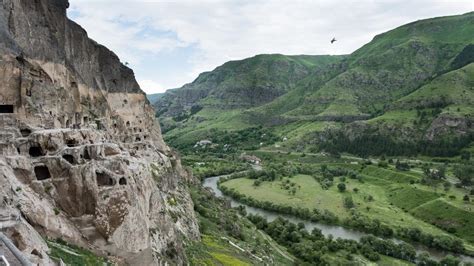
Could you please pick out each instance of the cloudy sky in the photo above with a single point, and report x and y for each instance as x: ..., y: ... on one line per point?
x: 169, y: 42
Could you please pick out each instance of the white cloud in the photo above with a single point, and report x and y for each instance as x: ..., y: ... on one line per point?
x: 229, y: 30
x: 150, y: 86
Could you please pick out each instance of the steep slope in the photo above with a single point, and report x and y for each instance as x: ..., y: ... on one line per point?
x: 240, y: 84
x: 81, y: 155
x: 360, y: 93
x: 218, y: 99
x: 393, y: 65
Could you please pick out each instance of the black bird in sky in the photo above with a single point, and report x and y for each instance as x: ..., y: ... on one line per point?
x: 333, y: 40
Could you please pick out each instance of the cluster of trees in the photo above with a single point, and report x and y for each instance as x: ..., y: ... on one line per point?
x: 276, y: 171
x: 328, y: 174
x: 465, y: 174
x: 389, y: 248
x: 211, y: 169
x: 215, y: 212
x: 356, y: 221
x: 373, y: 143
x: 289, y: 186
x: 440, y: 242
x: 402, y: 166
x: 309, y: 247
x: 312, y: 247
x: 208, y: 165
x: 365, y: 224
x: 226, y: 142
x: 262, y: 175
x: 465, y: 57
x: 246, y: 139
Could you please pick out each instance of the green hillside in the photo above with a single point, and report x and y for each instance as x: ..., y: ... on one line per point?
x: 407, y: 89
x: 154, y: 97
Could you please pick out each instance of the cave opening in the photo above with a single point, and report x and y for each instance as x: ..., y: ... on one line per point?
x: 25, y: 132
x: 104, y: 180
x: 122, y: 181
x: 69, y: 158
x: 42, y: 172
x: 6, y: 109
x: 71, y: 142
x: 86, y: 155
x: 35, y: 151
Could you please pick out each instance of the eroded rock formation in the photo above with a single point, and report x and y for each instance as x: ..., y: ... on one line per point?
x: 81, y: 155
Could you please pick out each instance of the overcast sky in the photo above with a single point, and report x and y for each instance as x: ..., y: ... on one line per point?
x: 168, y: 43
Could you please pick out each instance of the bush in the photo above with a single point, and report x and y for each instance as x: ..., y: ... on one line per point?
x: 348, y: 202
x: 341, y: 187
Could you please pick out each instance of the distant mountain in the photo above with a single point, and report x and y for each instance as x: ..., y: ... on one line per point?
x: 411, y: 86
x: 154, y: 97
x: 242, y: 84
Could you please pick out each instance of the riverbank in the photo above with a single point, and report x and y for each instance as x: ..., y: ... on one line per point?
x: 390, y: 198
x: 336, y: 231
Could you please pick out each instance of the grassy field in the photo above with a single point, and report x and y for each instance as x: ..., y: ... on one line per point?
x: 398, y: 199
x: 408, y: 198
x: 445, y: 215
x: 309, y: 195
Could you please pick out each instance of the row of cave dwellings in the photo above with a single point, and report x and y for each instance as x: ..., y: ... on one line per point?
x: 42, y: 171
x: 131, y: 133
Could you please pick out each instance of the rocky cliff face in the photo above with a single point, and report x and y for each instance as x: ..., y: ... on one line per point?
x: 81, y: 156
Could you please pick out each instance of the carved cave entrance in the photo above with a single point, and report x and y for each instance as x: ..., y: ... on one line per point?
x: 42, y: 172
x: 6, y: 109
x: 104, y: 180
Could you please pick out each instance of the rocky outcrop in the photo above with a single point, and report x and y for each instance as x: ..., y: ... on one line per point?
x: 81, y: 155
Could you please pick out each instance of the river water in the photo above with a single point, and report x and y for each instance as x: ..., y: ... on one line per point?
x: 335, y: 231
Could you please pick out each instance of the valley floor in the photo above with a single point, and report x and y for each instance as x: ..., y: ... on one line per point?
x: 398, y: 199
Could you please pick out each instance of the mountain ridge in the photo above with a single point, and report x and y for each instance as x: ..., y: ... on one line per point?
x: 357, y: 87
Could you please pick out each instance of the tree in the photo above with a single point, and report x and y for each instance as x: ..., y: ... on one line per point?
x: 465, y: 198
x: 293, y: 191
x: 465, y: 174
x: 402, y: 166
x: 449, y: 260
x: 257, y: 182
x: 341, y: 187
x: 425, y: 260
x: 435, y: 174
x: 348, y: 202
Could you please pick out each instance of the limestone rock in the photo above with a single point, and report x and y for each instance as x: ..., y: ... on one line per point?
x: 81, y: 154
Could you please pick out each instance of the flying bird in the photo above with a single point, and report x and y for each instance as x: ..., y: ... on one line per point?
x: 333, y: 40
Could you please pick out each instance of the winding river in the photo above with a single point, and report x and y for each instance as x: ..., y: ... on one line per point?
x: 334, y: 230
